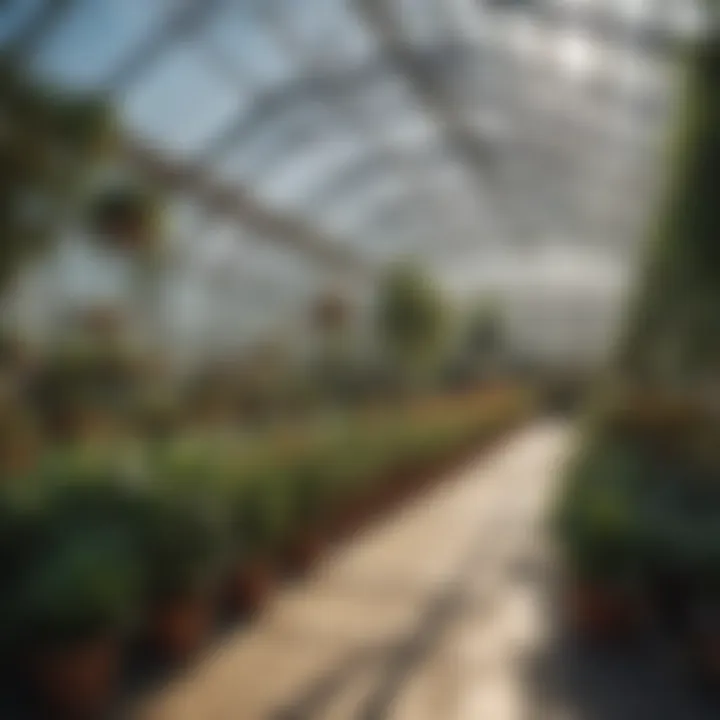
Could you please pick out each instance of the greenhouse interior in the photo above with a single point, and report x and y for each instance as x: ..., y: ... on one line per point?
x: 359, y: 359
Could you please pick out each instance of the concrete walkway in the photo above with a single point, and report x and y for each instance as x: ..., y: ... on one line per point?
x: 429, y: 615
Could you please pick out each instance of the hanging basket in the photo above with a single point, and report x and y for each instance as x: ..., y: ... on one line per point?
x: 331, y: 312
x: 128, y: 218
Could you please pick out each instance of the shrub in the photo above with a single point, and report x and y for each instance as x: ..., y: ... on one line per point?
x: 258, y: 506
x: 598, y: 522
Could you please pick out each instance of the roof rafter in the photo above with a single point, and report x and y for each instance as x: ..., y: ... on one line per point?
x: 330, y: 86
x: 237, y: 202
x: 240, y: 206
x: 479, y: 156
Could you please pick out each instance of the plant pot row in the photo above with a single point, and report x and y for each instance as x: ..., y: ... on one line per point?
x: 74, y: 673
x: 81, y: 678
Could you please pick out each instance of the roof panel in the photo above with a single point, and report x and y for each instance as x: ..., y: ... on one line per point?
x: 244, y: 41
x: 94, y: 36
x: 15, y: 16
x: 179, y: 103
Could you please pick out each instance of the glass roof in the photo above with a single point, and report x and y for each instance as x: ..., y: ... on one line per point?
x: 458, y: 132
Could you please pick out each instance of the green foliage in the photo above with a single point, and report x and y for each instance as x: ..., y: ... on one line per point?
x: 85, y: 585
x: 90, y: 539
x: 624, y: 514
x: 184, y: 523
x: 652, y: 505
x: 411, y: 317
x: 598, y: 518
x: 50, y: 144
x: 181, y: 540
x: 679, y: 299
x: 258, y: 505
x: 130, y: 217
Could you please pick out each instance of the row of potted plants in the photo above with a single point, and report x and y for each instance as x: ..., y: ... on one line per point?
x: 104, y: 548
x: 640, y: 532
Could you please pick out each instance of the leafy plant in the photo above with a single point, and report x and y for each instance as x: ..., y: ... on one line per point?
x: 51, y: 142
x: 308, y: 479
x: 411, y: 317
x: 256, y: 492
x: 182, y: 541
x: 600, y: 522
x: 82, y: 586
x: 129, y: 216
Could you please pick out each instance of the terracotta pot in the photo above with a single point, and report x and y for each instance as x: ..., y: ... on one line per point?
x: 303, y: 552
x: 350, y: 520
x: 600, y: 613
x: 387, y: 495
x: 401, y: 489
x: 78, y: 680
x: 179, y: 626
x: 334, y: 526
x: 249, y: 586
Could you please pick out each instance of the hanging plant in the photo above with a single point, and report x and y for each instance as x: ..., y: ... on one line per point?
x: 331, y: 312
x: 128, y: 217
x: 87, y: 126
x: 49, y: 145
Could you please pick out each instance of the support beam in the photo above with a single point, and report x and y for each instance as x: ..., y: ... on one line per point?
x: 470, y: 148
x: 233, y: 202
x: 238, y: 205
x: 328, y: 87
x: 477, y: 155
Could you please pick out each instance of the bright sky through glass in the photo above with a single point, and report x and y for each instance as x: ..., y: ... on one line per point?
x: 324, y: 126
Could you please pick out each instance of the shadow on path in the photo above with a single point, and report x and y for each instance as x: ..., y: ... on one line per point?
x: 395, y: 663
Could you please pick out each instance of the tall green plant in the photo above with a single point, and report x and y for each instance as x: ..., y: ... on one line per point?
x: 672, y: 342
x: 680, y: 294
x: 411, y: 318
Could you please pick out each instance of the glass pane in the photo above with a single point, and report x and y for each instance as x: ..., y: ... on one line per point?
x: 180, y: 103
x: 95, y: 36
x: 300, y: 175
x: 15, y: 15
x: 235, y: 31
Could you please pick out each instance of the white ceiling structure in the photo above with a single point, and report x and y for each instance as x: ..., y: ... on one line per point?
x: 504, y: 143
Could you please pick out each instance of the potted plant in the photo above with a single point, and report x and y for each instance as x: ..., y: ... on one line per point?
x: 356, y: 462
x: 258, y: 501
x: 181, y: 538
x: 128, y: 216
x: 601, y: 534
x: 71, y: 610
x: 308, y: 493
